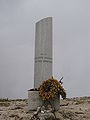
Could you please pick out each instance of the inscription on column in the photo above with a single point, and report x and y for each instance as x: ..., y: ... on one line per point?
x: 43, y: 59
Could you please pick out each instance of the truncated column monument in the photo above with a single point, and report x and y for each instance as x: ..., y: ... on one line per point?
x: 42, y: 61
x: 43, y: 51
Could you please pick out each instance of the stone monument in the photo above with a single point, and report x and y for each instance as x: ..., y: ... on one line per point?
x: 43, y: 51
x: 42, y: 61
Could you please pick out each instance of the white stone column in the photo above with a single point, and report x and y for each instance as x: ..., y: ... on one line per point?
x: 43, y: 51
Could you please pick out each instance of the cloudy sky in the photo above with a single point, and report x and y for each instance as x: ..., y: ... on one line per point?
x: 71, y: 44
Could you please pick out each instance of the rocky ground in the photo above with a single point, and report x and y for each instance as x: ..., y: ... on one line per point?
x: 70, y: 109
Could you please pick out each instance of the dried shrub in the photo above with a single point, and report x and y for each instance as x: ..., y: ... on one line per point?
x: 4, y: 104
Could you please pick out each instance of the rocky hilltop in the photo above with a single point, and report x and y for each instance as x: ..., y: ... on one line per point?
x: 70, y: 109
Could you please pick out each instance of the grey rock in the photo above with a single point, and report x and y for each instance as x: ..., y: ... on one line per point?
x: 47, y: 116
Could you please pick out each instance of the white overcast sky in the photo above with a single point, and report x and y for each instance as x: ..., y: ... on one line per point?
x: 71, y: 44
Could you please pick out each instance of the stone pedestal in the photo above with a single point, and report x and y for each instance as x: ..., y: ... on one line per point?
x: 56, y: 102
x: 34, y: 100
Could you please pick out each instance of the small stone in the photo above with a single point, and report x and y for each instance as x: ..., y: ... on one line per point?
x: 35, y: 113
x: 42, y: 112
x: 48, y: 111
x: 58, y: 116
x: 42, y: 108
x: 38, y: 109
